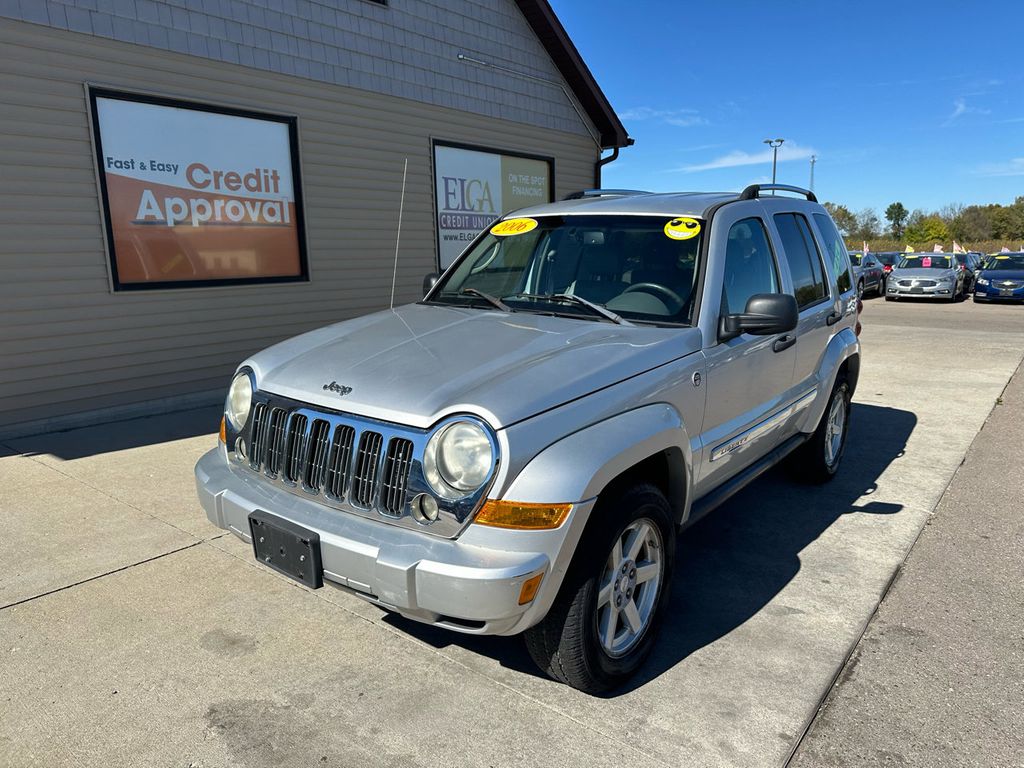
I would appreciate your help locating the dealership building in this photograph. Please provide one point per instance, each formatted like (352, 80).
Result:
(186, 182)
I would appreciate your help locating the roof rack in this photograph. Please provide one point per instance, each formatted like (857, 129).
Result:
(583, 193)
(754, 191)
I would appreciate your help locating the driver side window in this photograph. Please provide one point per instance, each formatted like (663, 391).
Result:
(749, 266)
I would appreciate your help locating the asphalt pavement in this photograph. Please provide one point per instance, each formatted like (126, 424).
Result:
(133, 633)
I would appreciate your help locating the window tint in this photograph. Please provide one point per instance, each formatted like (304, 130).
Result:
(749, 266)
(802, 257)
(835, 251)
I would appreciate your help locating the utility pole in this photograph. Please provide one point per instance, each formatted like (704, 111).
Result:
(774, 144)
(814, 159)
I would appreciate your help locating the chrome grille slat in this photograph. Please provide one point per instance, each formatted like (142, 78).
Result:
(316, 464)
(396, 475)
(258, 436)
(340, 462)
(275, 441)
(295, 447)
(364, 481)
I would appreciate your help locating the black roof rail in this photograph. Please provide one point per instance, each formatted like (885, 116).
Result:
(754, 191)
(604, 193)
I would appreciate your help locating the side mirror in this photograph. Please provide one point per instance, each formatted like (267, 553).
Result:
(429, 282)
(765, 314)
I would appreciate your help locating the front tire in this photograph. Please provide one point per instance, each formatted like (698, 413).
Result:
(605, 619)
(818, 460)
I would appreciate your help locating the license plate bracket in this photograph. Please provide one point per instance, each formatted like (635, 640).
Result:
(286, 547)
(1006, 291)
(917, 289)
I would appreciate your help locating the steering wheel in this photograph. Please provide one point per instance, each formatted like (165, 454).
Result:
(660, 291)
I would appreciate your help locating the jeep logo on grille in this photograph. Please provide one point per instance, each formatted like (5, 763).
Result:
(336, 387)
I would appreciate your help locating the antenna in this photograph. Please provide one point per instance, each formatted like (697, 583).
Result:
(398, 235)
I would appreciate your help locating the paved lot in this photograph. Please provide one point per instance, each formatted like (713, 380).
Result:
(133, 633)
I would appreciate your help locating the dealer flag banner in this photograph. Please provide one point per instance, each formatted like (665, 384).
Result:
(197, 196)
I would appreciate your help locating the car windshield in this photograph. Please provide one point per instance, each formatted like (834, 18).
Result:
(1016, 261)
(925, 262)
(642, 268)
(855, 259)
(888, 259)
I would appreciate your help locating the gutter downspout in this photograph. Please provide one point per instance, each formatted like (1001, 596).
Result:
(605, 160)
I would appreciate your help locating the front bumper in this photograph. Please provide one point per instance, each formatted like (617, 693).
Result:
(923, 292)
(470, 584)
(993, 293)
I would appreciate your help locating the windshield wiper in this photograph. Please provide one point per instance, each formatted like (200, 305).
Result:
(596, 308)
(486, 297)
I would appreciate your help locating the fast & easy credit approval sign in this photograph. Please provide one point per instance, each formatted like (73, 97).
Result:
(197, 195)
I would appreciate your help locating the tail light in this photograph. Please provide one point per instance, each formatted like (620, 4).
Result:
(887, 268)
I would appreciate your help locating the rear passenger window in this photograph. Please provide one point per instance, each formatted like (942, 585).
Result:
(805, 265)
(835, 251)
(749, 266)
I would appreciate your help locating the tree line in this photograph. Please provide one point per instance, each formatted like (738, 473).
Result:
(991, 224)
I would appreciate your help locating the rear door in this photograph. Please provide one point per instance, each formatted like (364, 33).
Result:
(820, 304)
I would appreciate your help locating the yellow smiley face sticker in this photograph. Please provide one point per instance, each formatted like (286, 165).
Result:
(513, 227)
(682, 228)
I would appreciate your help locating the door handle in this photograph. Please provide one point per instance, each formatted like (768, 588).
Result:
(783, 343)
(833, 318)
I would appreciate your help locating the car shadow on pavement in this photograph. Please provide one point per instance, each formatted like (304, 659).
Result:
(116, 436)
(735, 561)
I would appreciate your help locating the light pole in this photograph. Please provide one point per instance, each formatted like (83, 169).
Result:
(774, 144)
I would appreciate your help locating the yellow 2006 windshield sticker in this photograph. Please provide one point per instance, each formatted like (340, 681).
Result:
(682, 228)
(513, 227)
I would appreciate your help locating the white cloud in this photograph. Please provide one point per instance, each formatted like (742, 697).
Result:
(683, 118)
(1012, 167)
(787, 153)
(960, 108)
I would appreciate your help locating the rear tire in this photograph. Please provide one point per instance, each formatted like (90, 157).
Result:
(818, 460)
(605, 619)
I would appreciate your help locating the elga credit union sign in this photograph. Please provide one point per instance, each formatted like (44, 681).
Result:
(473, 187)
(195, 195)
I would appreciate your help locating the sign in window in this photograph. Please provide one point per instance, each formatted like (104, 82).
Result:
(195, 195)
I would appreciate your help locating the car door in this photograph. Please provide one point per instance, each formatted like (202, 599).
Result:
(820, 305)
(749, 378)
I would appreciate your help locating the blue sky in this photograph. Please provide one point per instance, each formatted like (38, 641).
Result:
(911, 101)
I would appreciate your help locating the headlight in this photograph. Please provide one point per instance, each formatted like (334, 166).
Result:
(982, 281)
(458, 459)
(236, 407)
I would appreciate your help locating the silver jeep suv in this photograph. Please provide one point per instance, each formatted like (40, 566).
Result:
(517, 452)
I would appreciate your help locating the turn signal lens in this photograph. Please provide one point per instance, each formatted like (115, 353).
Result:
(522, 515)
(530, 587)
(223, 430)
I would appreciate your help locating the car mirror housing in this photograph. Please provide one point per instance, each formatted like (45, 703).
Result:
(765, 314)
(430, 281)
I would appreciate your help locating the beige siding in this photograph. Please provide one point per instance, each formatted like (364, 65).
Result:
(67, 344)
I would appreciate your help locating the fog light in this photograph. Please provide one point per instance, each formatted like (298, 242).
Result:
(424, 508)
(530, 588)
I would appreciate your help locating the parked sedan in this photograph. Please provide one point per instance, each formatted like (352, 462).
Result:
(968, 266)
(925, 276)
(889, 259)
(1002, 278)
(868, 271)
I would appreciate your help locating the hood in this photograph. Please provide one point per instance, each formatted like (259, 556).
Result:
(418, 363)
(998, 275)
(923, 273)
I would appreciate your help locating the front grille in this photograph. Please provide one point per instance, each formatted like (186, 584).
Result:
(918, 283)
(322, 457)
(1011, 284)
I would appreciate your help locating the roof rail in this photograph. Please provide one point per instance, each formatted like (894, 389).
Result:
(754, 191)
(583, 193)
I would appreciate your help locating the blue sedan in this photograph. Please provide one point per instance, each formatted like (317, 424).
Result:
(1002, 278)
